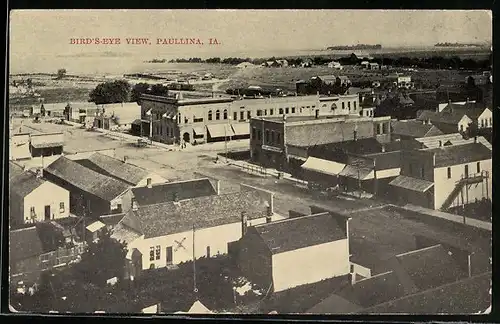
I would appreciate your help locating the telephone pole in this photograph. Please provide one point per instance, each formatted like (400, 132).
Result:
(195, 289)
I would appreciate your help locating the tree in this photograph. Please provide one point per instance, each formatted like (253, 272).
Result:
(104, 259)
(61, 73)
(138, 90)
(110, 92)
(159, 90)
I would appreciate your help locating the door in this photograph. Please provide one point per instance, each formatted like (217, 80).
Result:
(208, 251)
(170, 256)
(466, 171)
(47, 212)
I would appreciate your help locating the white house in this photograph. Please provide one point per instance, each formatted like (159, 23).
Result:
(482, 116)
(448, 122)
(335, 65)
(33, 199)
(295, 251)
(163, 235)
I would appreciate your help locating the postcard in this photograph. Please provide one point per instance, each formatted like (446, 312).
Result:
(220, 162)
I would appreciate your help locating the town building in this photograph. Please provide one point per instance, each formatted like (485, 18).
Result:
(481, 116)
(91, 193)
(401, 81)
(120, 170)
(277, 140)
(335, 65)
(46, 144)
(33, 199)
(333, 79)
(166, 234)
(411, 129)
(446, 176)
(268, 253)
(118, 116)
(218, 119)
(172, 191)
(81, 112)
(447, 122)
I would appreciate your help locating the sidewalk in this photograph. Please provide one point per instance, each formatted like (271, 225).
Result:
(256, 169)
(451, 217)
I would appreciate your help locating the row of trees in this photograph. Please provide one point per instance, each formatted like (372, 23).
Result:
(121, 91)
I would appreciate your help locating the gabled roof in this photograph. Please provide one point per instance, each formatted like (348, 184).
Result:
(472, 109)
(453, 117)
(300, 232)
(374, 290)
(24, 243)
(25, 183)
(430, 267)
(202, 212)
(86, 179)
(414, 128)
(165, 192)
(115, 168)
(460, 154)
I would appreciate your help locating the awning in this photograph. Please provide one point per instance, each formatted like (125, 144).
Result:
(323, 166)
(45, 145)
(199, 130)
(351, 171)
(410, 183)
(241, 129)
(95, 226)
(220, 130)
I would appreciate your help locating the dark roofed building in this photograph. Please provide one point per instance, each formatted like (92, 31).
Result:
(338, 151)
(447, 122)
(92, 194)
(460, 154)
(411, 129)
(269, 252)
(172, 191)
(26, 248)
(115, 168)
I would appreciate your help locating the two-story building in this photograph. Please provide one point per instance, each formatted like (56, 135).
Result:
(446, 176)
(481, 115)
(200, 120)
(448, 122)
(33, 199)
(276, 140)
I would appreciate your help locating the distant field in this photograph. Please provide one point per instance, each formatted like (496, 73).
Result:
(51, 96)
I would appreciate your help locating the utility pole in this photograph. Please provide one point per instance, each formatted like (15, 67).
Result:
(195, 289)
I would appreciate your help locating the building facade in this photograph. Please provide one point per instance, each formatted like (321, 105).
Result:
(218, 119)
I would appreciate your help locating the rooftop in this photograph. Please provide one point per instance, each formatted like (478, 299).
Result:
(414, 128)
(300, 232)
(170, 191)
(190, 101)
(109, 166)
(86, 179)
(471, 109)
(460, 154)
(174, 217)
(26, 244)
(25, 183)
(439, 117)
(14, 170)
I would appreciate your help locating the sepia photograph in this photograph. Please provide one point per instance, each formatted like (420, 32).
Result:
(184, 162)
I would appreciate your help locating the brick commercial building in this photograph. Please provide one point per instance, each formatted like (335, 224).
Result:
(275, 141)
(212, 119)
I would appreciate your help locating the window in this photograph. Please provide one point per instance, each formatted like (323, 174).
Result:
(281, 111)
(186, 120)
(422, 172)
(259, 112)
(384, 128)
(209, 115)
(300, 109)
(491, 122)
(197, 120)
(271, 112)
(354, 103)
(267, 136)
(287, 110)
(293, 110)
(249, 114)
(265, 112)
(32, 212)
(313, 106)
(254, 132)
(466, 171)
(235, 116)
(225, 113)
(259, 134)
(217, 115)
(482, 122)
(478, 167)
(343, 105)
(278, 138)
(461, 128)
(158, 252)
(179, 118)
(272, 136)
(61, 207)
(449, 172)
(242, 115)
(151, 253)
(349, 105)
(334, 106)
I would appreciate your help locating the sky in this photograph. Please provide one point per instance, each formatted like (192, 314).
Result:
(47, 33)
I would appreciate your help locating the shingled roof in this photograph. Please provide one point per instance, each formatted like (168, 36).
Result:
(295, 233)
(414, 128)
(452, 117)
(202, 212)
(24, 244)
(460, 154)
(170, 191)
(471, 109)
(25, 183)
(86, 179)
(115, 168)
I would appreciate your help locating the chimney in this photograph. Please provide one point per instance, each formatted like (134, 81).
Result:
(383, 148)
(217, 187)
(134, 204)
(244, 223)
(429, 122)
(317, 114)
(149, 184)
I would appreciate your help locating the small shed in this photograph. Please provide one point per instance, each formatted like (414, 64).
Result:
(94, 229)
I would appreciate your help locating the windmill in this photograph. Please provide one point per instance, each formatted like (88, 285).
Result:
(180, 244)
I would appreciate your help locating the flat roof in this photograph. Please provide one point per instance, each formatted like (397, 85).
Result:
(186, 101)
